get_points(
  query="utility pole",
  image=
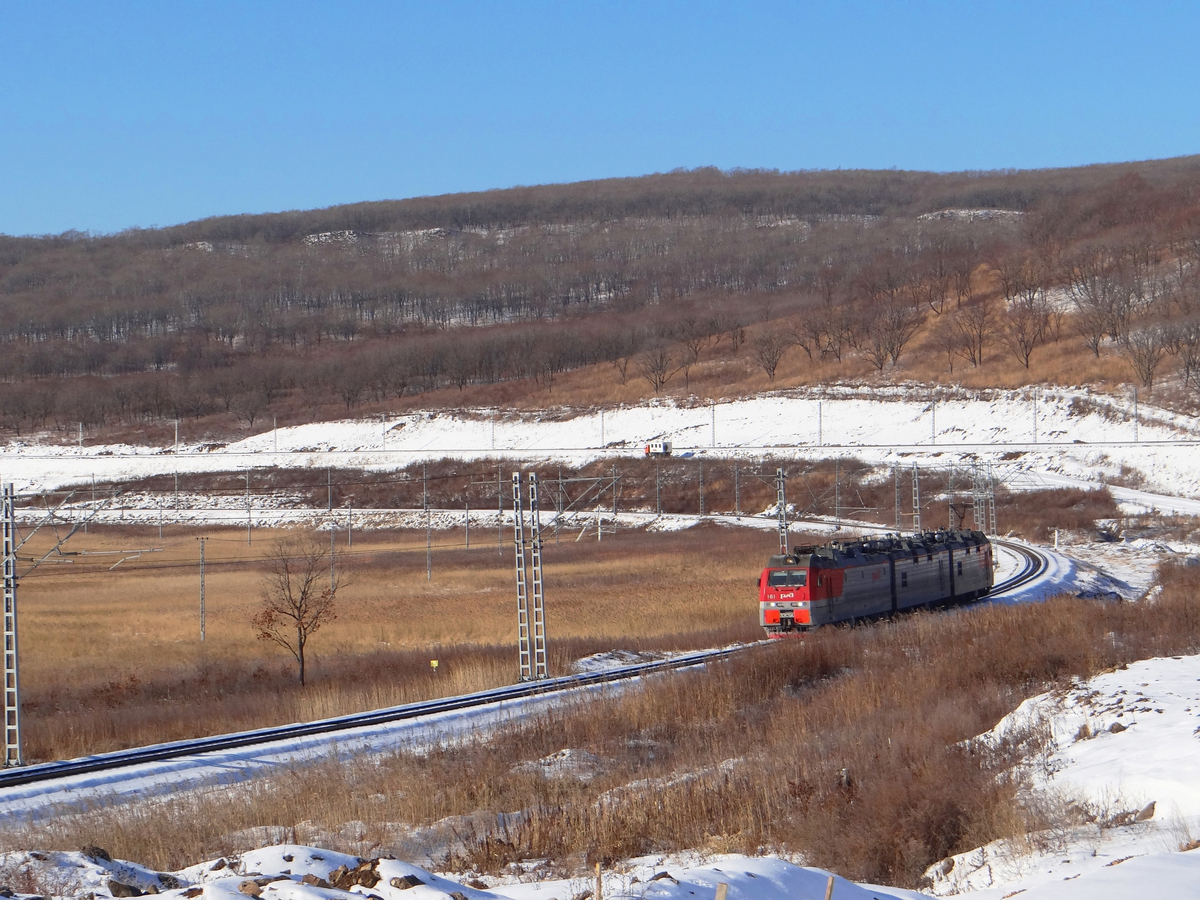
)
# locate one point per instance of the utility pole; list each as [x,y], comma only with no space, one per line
[950,499]
[1135,415]
[820,435]
[916,486]
[249,522]
[991,499]
[837,490]
[539,596]
[12,680]
[737,492]
[979,500]
[713,404]
[329,483]
[657,488]
[202,540]
[896,481]
[524,650]
[428,523]
[499,511]
[702,489]
[467,509]
[781,501]
[350,524]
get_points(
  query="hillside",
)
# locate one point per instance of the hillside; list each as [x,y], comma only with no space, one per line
[694,282]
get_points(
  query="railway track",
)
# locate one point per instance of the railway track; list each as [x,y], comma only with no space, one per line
[1033,564]
[264,737]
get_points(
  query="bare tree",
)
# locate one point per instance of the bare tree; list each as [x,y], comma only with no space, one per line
[891,322]
[963,264]
[949,339]
[1186,346]
[809,330]
[931,282]
[621,364]
[695,337]
[1103,291]
[1144,349]
[657,366]
[686,357]
[249,405]
[1025,324]
[298,595]
[975,324]
[768,350]
[1027,315]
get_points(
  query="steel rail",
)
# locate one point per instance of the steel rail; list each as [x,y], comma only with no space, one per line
[1034,564]
[275,734]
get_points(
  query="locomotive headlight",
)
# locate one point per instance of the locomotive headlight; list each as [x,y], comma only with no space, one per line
[772,604]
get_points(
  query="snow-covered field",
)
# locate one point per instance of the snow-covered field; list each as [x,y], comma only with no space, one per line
[1055,437]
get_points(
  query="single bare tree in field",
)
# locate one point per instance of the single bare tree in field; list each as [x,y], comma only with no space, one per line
[298,595]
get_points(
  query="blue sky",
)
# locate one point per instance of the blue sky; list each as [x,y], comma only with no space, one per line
[121,114]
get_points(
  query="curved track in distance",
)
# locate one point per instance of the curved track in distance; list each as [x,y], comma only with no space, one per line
[1033,564]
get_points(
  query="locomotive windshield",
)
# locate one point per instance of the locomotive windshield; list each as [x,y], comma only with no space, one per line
[787,578]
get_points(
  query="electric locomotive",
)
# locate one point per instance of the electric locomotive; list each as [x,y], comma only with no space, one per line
[847,580]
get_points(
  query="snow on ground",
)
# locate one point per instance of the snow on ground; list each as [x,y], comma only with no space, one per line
[1060,436]
[1124,747]
[292,872]
[615,659]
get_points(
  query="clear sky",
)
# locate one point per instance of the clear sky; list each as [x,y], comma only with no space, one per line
[119,114]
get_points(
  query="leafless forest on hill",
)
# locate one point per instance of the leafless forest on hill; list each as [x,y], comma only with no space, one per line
[232,320]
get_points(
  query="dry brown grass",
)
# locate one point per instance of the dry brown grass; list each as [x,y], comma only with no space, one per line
[113,659]
[1036,515]
[722,374]
[845,747]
